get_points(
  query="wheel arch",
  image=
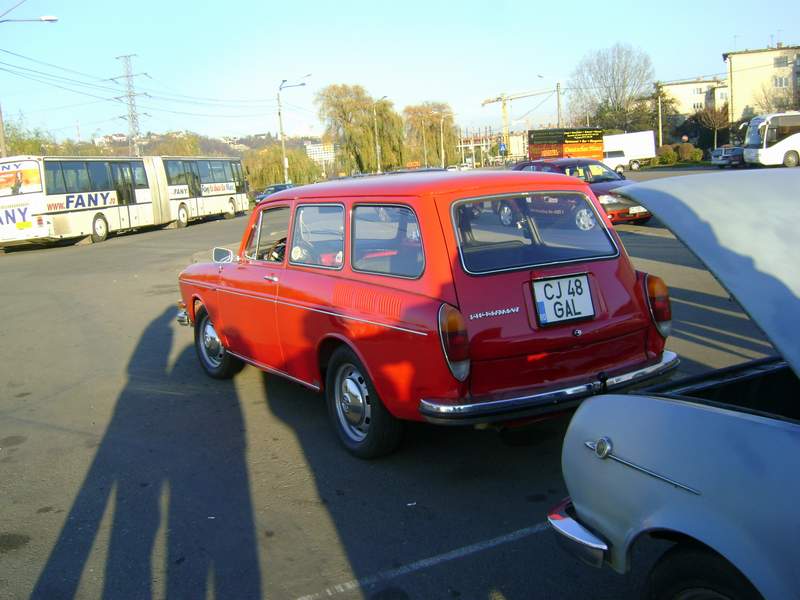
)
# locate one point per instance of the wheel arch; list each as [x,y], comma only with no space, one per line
[325,349]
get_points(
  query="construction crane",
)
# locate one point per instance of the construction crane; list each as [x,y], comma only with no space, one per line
[504,100]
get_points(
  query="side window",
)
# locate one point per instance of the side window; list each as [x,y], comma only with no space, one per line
[139,175]
[175,173]
[250,249]
[228,173]
[205,171]
[76,177]
[273,229]
[53,179]
[99,175]
[217,171]
[386,240]
[318,236]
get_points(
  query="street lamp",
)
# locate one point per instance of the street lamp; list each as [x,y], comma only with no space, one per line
[442,115]
[44,19]
[284,84]
[375,123]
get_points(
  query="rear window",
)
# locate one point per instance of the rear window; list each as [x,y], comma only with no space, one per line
[527,230]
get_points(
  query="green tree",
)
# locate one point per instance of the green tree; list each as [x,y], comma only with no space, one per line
[347,112]
[425,126]
[22,140]
[265,167]
[175,145]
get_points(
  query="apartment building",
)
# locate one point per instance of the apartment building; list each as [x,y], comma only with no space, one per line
[692,95]
[763,81]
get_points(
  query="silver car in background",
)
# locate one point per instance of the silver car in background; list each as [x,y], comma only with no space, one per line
[712,462]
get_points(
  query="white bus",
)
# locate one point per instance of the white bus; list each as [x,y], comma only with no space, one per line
[773,139]
[44,199]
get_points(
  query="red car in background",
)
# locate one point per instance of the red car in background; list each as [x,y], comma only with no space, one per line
[601,180]
[400,298]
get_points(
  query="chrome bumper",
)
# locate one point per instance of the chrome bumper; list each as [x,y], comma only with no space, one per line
[574,537]
[183,318]
[443,412]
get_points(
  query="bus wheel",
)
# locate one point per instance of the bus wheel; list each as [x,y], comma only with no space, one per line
[635,165]
[231,210]
[99,229]
[791,159]
[183,216]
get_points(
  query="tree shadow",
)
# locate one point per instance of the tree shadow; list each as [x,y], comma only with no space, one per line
[169,472]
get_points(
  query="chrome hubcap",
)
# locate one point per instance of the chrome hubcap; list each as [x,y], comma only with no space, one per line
[584,219]
[210,344]
[353,404]
[182,215]
[100,227]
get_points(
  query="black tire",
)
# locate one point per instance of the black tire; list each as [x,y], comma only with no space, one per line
[688,568]
[360,419]
[232,212]
[183,217]
[99,229]
[635,165]
[214,358]
[619,170]
[791,159]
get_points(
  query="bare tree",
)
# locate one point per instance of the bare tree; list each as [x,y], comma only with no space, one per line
[771,99]
[713,118]
[611,80]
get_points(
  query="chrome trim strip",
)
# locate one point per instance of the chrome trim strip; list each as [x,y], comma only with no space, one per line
[359,319]
[198,284]
[319,310]
[264,367]
[593,447]
[600,219]
[435,408]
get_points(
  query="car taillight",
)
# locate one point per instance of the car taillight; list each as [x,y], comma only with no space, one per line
[660,308]
[455,342]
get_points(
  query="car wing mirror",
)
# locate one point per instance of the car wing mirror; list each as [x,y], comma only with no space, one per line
[222,255]
[621,175]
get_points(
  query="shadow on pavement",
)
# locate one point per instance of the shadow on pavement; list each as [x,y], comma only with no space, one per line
[169,472]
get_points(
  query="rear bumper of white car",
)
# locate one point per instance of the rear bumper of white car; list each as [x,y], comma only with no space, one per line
[576,539]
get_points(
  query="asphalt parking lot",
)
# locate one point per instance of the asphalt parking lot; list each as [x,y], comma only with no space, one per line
[126,473]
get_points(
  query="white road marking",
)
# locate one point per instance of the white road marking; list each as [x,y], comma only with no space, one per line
[425,563]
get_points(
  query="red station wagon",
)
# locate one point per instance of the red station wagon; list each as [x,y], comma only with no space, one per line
[402,297]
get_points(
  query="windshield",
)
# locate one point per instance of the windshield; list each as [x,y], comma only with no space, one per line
[19,177]
[599,173]
[753,137]
[499,234]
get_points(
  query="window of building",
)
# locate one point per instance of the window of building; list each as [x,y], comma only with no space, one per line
[698,106]
[699,91]
[386,240]
[780,82]
[781,61]
[318,236]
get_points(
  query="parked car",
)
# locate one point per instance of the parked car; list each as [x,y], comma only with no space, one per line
[710,462]
[393,298]
[272,189]
[602,181]
[728,156]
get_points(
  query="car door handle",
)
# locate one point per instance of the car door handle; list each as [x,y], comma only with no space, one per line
[273,278]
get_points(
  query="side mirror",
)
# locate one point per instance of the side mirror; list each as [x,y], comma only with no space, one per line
[621,175]
[222,255]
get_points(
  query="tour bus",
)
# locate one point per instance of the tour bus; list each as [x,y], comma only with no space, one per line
[44,198]
[773,139]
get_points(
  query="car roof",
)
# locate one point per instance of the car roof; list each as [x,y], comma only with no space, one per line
[425,183]
[742,227]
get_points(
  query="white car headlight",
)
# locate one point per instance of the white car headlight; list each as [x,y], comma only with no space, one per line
[607,199]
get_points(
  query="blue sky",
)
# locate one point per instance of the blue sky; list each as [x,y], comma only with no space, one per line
[223,61]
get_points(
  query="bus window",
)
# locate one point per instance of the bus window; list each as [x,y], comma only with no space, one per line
[175,172]
[218,171]
[99,176]
[76,177]
[205,171]
[53,178]
[228,174]
[139,176]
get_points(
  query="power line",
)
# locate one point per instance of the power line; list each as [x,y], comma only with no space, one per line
[47,64]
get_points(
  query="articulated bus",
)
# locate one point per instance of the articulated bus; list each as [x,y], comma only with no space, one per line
[773,140]
[45,199]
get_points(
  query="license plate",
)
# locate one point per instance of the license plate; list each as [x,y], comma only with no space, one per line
[563,299]
[634,210]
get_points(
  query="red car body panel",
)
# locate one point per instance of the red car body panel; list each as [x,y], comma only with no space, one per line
[290,326]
